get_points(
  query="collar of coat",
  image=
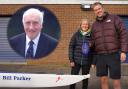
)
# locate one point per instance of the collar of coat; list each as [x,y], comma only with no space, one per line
[87,33]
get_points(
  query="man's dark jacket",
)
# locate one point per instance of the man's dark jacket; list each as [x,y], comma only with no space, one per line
[109,34]
[45,46]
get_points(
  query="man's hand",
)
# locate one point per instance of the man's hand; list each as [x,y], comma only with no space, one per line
[72,64]
[93,66]
[122,56]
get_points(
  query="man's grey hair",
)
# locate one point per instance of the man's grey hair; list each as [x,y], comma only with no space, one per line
[34,11]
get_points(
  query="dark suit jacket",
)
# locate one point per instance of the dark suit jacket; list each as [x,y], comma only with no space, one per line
[45,46]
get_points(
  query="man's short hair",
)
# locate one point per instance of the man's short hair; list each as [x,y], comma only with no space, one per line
[95,4]
[34,11]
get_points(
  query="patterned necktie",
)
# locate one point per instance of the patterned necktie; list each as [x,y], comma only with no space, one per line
[29,53]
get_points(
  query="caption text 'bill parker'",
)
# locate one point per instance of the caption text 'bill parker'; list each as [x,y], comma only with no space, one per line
[15,78]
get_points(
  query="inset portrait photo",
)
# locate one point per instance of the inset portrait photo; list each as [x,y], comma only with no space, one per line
[33,32]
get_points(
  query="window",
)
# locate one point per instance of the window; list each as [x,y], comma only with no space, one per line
[6,53]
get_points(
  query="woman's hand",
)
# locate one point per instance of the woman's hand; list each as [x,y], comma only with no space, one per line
[72,64]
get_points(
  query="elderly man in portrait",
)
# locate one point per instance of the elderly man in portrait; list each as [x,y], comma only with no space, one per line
[33,44]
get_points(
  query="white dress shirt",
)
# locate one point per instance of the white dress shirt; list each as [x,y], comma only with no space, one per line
[36,40]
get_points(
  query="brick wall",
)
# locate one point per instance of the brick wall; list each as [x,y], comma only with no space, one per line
[69,17]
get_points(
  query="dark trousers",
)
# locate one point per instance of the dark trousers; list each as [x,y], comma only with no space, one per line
[75,71]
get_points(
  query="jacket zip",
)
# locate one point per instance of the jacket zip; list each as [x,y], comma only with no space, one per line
[82,53]
[105,46]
